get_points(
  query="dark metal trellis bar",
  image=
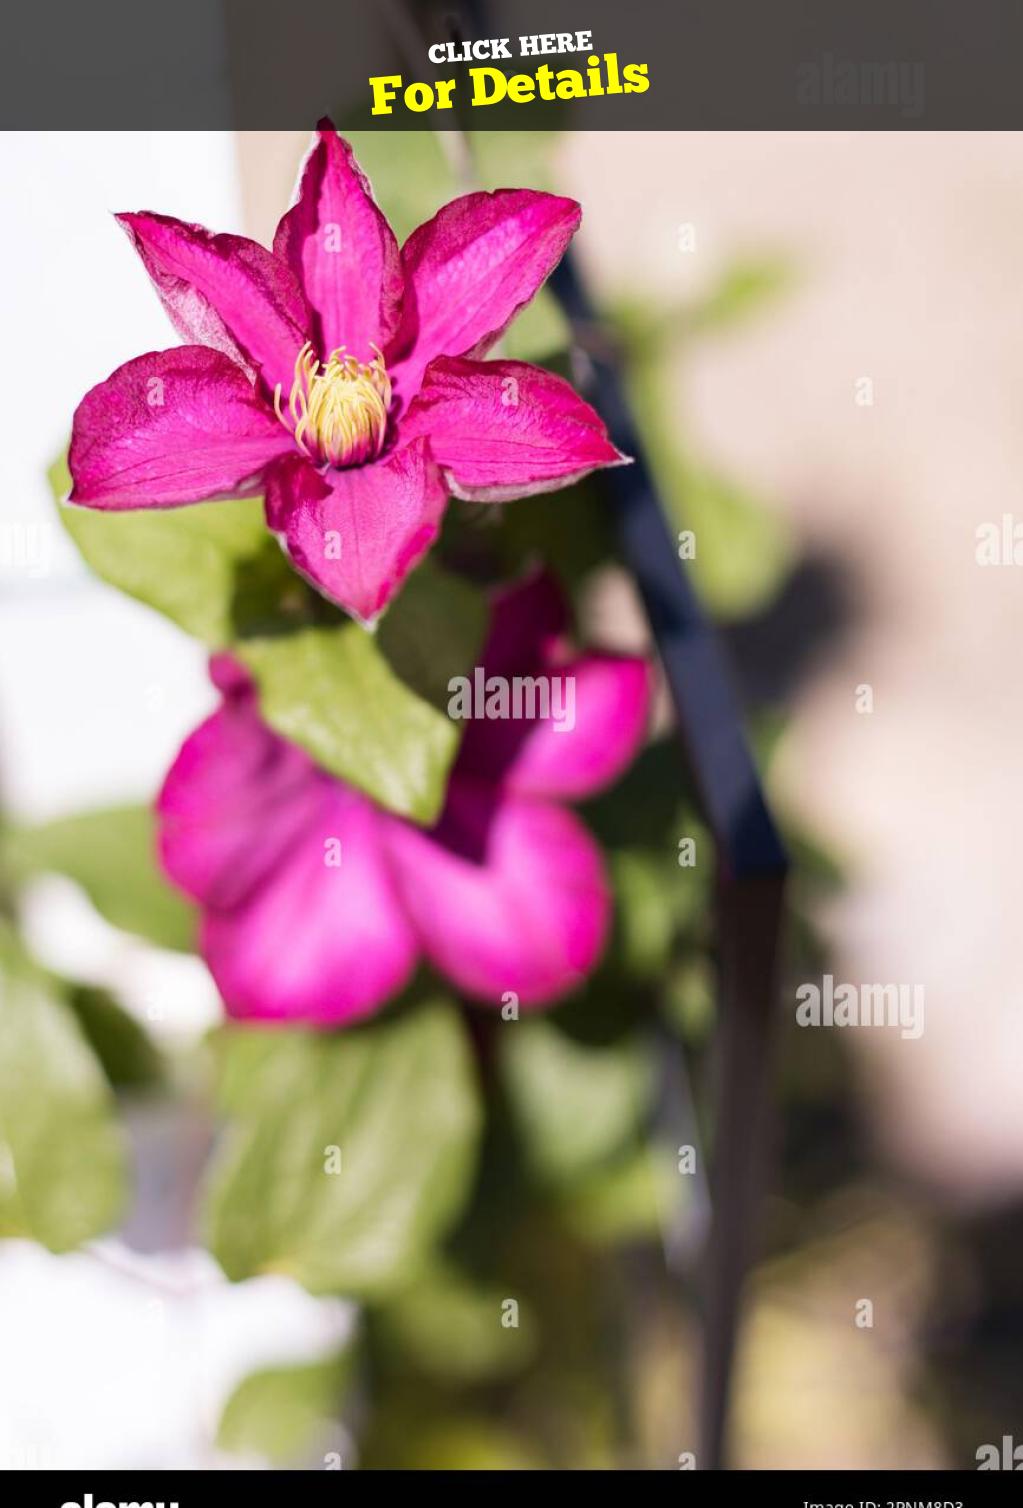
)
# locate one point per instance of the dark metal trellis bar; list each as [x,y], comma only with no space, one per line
[751,860]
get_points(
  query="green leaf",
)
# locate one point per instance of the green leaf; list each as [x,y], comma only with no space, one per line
[743,550]
[433,631]
[410,174]
[129,1057]
[282,1413]
[111,854]
[575,1103]
[452,1329]
[212,568]
[655,899]
[634,1199]
[332,691]
[397,1099]
[62,1164]
[745,287]
[419,1436]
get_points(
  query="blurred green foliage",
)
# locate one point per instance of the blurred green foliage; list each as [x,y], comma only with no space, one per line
[348,1153]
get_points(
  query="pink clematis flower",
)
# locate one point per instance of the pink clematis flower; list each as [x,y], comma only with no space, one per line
[341,376]
[506,893]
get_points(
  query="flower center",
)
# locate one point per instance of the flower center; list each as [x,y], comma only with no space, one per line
[337,410]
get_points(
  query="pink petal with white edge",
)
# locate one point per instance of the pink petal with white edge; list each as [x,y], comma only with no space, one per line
[172,427]
[226,292]
[507,894]
[469,271]
[342,250]
[316,943]
[600,708]
[356,534]
[506,429]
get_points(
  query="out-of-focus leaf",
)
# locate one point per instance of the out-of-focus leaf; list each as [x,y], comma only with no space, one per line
[433,631]
[538,333]
[398,1101]
[62,1163]
[332,691]
[128,1055]
[571,528]
[452,1329]
[419,1437]
[746,286]
[633,1199]
[575,1103]
[283,1413]
[743,549]
[410,174]
[111,854]
[689,1000]
[651,807]
[655,898]
[212,568]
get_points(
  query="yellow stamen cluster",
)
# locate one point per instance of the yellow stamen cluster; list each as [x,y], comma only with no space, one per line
[337,410]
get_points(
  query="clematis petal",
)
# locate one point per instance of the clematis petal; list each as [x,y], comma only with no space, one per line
[507,894]
[529,623]
[172,427]
[226,292]
[342,250]
[248,826]
[506,429]
[356,534]
[234,800]
[470,269]
[598,707]
[316,943]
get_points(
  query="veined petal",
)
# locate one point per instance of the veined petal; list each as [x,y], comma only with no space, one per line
[316,942]
[506,429]
[226,292]
[342,250]
[597,709]
[470,269]
[172,427]
[356,534]
[507,894]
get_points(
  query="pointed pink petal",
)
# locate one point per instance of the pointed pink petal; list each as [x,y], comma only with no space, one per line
[527,913]
[246,824]
[316,943]
[342,250]
[356,534]
[172,427]
[470,269]
[226,292]
[506,429]
[600,706]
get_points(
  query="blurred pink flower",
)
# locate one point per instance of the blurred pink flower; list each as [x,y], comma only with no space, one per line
[341,376]
[507,893]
